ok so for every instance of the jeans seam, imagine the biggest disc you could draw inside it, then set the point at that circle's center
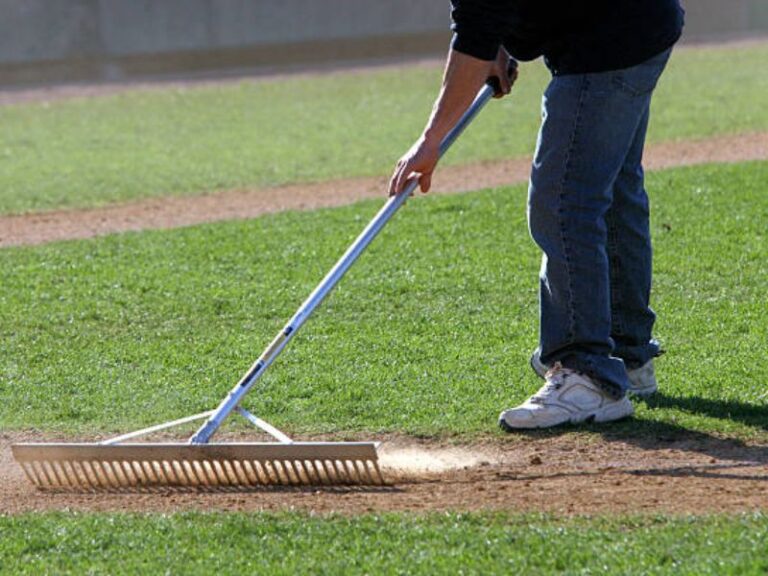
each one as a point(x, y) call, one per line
point(561, 195)
point(613, 273)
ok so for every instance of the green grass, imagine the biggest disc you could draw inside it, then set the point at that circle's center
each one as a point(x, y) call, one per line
point(139, 144)
point(61, 543)
point(428, 334)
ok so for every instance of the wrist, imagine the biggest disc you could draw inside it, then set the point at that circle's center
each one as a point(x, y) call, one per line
point(432, 137)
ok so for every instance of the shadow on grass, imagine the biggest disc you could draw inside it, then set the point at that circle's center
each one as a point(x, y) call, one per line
point(650, 435)
point(653, 435)
point(749, 414)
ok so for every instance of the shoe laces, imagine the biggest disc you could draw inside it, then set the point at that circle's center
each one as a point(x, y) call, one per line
point(555, 378)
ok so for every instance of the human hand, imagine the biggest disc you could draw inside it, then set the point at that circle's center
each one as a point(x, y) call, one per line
point(419, 162)
point(501, 74)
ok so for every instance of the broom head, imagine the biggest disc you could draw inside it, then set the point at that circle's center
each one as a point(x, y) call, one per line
point(219, 467)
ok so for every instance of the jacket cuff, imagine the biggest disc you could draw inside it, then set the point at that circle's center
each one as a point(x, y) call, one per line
point(477, 47)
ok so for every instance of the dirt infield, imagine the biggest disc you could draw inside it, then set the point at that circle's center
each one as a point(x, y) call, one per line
point(570, 473)
point(567, 474)
point(248, 203)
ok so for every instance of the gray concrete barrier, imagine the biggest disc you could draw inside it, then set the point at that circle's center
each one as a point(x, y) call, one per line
point(56, 41)
point(713, 20)
point(68, 41)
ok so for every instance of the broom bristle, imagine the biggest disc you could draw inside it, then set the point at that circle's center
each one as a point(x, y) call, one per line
point(137, 467)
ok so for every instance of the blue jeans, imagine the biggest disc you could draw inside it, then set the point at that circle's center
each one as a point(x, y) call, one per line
point(588, 212)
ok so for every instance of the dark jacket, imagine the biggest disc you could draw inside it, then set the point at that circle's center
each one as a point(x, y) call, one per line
point(574, 36)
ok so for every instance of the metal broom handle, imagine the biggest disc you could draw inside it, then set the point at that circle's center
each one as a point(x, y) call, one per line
point(258, 368)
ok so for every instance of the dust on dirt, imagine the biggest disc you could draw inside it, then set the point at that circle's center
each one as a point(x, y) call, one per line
point(571, 473)
point(568, 473)
point(173, 212)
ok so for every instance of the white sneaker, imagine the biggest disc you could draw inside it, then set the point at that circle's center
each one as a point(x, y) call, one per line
point(642, 380)
point(567, 396)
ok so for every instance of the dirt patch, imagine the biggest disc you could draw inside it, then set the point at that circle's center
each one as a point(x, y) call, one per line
point(405, 459)
point(567, 474)
point(45, 227)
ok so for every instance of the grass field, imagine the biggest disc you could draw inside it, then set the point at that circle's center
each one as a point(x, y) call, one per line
point(428, 334)
point(388, 544)
point(137, 144)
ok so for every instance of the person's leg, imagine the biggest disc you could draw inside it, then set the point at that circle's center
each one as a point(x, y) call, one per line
point(591, 123)
point(629, 257)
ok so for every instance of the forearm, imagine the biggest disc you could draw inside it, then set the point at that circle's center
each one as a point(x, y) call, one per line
point(463, 78)
point(464, 75)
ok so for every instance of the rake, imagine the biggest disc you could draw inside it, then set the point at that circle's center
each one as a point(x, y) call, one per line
point(119, 465)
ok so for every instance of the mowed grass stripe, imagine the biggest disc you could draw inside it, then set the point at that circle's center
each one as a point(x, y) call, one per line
point(452, 543)
point(182, 141)
point(429, 333)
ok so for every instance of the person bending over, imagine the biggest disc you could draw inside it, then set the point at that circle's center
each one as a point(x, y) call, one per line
point(587, 205)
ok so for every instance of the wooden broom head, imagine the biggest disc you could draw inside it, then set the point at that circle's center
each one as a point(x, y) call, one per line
point(217, 467)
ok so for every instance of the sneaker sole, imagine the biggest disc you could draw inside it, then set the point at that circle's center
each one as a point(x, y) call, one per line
point(616, 411)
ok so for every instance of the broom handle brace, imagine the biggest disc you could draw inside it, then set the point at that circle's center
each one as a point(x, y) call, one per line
point(204, 433)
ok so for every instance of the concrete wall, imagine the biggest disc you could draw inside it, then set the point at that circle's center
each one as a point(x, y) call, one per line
point(73, 40)
point(725, 19)
point(55, 41)
point(144, 26)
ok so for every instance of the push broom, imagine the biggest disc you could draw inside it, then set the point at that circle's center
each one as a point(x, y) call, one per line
point(119, 464)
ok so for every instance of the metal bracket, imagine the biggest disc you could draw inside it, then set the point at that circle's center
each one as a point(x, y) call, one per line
point(157, 427)
point(266, 426)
